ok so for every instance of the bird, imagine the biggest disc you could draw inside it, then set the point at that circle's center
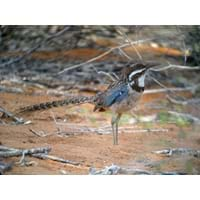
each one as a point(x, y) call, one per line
point(121, 96)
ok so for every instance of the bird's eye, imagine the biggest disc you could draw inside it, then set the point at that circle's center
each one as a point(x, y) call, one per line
point(132, 82)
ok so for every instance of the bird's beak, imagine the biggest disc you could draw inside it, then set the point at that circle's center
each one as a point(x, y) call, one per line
point(150, 65)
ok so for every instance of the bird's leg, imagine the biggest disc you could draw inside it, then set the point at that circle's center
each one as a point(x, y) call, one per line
point(114, 123)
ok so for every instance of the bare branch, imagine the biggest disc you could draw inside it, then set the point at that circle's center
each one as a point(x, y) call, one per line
point(172, 92)
point(179, 151)
point(176, 89)
point(115, 75)
point(24, 162)
point(159, 83)
point(11, 89)
point(125, 54)
point(40, 153)
point(55, 158)
point(171, 66)
point(19, 152)
point(12, 116)
point(108, 75)
point(39, 134)
point(115, 170)
point(131, 44)
point(163, 86)
point(74, 129)
point(5, 167)
point(102, 55)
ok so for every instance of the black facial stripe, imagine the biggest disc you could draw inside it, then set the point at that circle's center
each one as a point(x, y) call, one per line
point(135, 85)
point(137, 88)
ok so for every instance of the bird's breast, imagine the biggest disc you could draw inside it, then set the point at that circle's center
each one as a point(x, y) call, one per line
point(127, 104)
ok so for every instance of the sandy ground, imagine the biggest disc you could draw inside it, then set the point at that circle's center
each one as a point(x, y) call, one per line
point(91, 149)
point(75, 142)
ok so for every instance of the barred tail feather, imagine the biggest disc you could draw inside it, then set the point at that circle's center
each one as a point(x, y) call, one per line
point(64, 102)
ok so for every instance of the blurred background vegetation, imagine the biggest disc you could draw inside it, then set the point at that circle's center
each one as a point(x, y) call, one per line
point(51, 53)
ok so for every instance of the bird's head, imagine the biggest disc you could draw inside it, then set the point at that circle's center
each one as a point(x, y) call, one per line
point(135, 76)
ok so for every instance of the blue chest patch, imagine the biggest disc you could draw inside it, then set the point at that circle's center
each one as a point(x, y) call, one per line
point(116, 95)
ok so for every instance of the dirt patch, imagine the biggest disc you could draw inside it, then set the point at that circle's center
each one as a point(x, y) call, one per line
point(91, 149)
point(72, 132)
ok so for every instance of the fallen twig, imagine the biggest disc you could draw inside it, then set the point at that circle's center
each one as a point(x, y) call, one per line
point(108, 170)
point(5, 167)
point(76, 129)
point(19, 152)
point(4, 148)
point(55, 158)
point(179, 151)
point(116, 170)
point(40, 133)
point(24, 162)
point(10, 89)
point(41, 153)
point(12, 116)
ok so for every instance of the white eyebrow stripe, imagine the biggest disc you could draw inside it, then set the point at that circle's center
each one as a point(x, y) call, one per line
point(135, 72)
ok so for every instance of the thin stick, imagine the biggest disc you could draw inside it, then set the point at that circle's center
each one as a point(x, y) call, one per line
point(145, 172)
point(172, 92)
point(24, 162)
point(55, 158)
point(19, 152)
point(4, 148)
point(5, 167)
point(115, 75)
point(76, 129)
point(108, 75)
point(11, 89)
point(131, 44)
point(179, 151)
point(163, 86)
point(191, 88)
point(30, 51)
point(125, 54)
point(172, 66)
point(39, 134)
point(12, 116)
point(159, 83)
point(172, 100)
point(102, 55)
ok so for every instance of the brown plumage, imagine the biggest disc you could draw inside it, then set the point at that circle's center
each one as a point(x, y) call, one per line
point(121, 96)
point(47, 105)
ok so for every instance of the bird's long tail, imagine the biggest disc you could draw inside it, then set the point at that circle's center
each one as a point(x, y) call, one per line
point(64, 102)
